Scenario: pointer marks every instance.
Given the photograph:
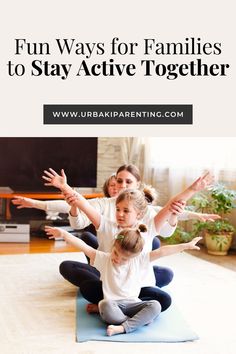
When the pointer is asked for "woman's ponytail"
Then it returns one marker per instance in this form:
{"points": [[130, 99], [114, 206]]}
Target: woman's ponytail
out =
{"points": [[142, 228], [150, 194]]}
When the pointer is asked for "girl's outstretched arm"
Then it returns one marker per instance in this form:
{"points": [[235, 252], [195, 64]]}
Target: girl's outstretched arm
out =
{"points": [[52, 178], [201, 183], [60, 181], [56, 232], [172, 249]]}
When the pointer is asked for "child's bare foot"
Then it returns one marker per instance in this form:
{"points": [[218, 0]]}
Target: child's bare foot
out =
{"points": [[111, 330], [92, 308]]}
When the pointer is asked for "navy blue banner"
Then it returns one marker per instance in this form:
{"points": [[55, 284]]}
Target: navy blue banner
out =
{"points": [[118, 114]]}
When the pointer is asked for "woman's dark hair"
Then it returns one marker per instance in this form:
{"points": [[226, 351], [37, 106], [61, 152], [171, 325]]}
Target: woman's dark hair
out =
{"points": [[149, 192], [131, 169]]}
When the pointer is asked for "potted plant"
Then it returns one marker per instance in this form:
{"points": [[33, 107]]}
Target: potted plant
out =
{"points": [[218, 235], [179, 236]]}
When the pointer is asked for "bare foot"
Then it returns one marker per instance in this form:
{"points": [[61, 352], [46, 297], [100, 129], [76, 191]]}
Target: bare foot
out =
{"points": [[111, 330], [92, 308]]}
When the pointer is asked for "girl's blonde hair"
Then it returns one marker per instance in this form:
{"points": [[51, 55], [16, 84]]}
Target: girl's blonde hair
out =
{"points": [[130, 240], [139, 199]]}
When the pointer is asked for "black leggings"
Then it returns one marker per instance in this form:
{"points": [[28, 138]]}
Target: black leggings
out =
{"points": [[92, 292]]}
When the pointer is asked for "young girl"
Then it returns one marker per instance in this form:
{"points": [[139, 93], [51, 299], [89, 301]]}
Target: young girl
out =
{"points": [[128, 176], [130, 208], [120, 274], [59, 181]]}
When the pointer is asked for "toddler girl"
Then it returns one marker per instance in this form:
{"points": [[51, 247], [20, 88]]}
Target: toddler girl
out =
{"points": [[120, 274]]}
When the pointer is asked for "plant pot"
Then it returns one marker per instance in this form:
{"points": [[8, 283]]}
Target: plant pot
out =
{"points": [[218, 244]]}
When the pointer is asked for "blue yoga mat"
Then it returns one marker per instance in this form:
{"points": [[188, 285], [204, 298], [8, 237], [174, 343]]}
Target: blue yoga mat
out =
{"points": [[168, 327]]}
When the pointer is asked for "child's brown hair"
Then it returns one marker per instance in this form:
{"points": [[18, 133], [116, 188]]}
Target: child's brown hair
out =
{"points": [[139, 199], [130, 239]]}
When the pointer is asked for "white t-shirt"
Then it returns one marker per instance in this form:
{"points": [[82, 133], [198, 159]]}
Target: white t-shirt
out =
{"points": [[121, 281], [106, 234], [107, 208], [109, 229]]}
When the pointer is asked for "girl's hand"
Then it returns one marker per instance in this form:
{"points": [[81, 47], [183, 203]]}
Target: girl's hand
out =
{"points": [[23, 202], [54, 179], [192, 244], [53, 232], [202, 182]]}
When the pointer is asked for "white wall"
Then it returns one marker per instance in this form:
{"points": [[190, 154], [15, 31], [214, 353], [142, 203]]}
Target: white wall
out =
{"points": [[109, 158]]}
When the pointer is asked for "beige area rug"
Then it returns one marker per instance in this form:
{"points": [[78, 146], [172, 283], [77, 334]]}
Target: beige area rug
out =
{"points": [[37, 308]]}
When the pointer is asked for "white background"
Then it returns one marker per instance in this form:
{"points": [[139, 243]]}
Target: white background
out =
{"points": [[22, 98]]}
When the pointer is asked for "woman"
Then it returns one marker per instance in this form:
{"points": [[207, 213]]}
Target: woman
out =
{"points": [[131, 206], [110, 187], [127, 177]]}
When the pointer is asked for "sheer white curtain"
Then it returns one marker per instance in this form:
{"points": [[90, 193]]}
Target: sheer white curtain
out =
{"points": [[132, 150], [179, 161], [170, 164]]}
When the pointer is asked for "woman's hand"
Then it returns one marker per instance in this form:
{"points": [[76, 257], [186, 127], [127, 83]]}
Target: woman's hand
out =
{"points": [[207, 217], [23, 202], [71, 198], [177, 207], [54, 179]]}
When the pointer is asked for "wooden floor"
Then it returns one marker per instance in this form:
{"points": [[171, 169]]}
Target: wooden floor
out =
{"points": [[44, 245], [228, 261], [36, 245]]}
